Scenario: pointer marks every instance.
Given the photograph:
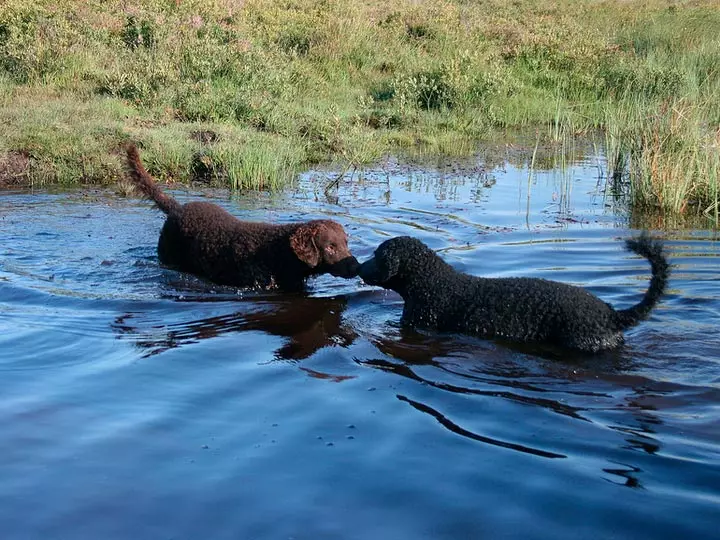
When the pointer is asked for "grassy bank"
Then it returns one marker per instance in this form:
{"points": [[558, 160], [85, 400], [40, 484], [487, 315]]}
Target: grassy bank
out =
{"points": [[249, 92]]}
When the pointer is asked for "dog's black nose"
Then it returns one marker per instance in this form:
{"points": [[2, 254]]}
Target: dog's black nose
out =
{"points": [[368, 272], [346, 268]]}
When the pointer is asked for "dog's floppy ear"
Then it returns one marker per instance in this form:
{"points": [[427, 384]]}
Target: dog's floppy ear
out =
{"points": [[302, 242]]}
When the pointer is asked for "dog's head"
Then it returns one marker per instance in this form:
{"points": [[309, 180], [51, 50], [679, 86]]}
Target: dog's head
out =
{"points": [[395, 261], [322, 245]]}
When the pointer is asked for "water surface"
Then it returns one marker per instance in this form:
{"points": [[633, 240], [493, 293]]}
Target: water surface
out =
{"points": [[139, 402]]}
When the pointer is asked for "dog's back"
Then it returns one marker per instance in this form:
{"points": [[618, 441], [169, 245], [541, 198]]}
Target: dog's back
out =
{"points": [[539, 310]]}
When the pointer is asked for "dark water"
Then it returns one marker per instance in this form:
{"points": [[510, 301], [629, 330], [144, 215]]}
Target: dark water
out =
{"points": [[140, 403]]}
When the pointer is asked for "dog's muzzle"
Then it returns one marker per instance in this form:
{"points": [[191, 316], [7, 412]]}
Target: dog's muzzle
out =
{"points": [[369, 273], [346, 268]]}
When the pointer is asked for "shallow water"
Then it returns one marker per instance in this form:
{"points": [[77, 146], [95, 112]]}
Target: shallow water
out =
{"points": [[138, 402]]}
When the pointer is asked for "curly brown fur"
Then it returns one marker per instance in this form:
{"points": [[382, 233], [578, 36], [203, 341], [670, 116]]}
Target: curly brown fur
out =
{"points": [[204, 239], [529, 310]]}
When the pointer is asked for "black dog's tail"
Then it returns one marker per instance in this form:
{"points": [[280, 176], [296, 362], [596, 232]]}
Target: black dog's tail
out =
{"points": [[652, 250], [142, 179]]}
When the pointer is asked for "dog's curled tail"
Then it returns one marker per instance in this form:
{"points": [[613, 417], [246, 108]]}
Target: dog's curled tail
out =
{"points": [[652, 250], [142, 179]]}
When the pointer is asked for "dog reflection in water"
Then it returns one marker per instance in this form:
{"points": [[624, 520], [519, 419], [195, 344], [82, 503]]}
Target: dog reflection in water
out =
{"points": [[308, 324]]}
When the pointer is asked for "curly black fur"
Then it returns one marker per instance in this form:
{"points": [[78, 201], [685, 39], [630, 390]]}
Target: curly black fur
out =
{"points": [[204, 239], [438, 297]]}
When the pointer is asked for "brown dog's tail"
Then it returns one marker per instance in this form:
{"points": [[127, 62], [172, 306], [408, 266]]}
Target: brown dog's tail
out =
{"points": [[142, 179], [652, 250]]}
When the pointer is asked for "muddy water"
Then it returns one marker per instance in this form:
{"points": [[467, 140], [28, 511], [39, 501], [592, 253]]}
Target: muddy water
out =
{"points": [[138, 402]]}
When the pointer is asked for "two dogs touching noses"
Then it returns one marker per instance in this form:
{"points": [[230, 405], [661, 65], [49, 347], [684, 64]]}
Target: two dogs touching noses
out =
{"points": [[203, 239]]}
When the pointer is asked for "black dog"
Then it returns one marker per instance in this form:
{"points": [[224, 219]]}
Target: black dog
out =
{"points": [[437, 297], [204, 239]]}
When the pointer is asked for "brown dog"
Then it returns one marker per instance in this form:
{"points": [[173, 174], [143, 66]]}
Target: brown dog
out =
{"points": [[204, 239]]}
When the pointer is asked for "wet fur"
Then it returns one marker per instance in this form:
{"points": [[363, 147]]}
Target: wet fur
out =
{"points": [[526, 310], [203, 239]]}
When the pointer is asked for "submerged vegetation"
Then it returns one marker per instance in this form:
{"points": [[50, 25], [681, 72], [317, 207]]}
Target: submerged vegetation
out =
{"points": [[250, 91]]}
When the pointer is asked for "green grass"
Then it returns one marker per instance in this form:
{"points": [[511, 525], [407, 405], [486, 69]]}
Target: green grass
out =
{"points": [[282, 85]]}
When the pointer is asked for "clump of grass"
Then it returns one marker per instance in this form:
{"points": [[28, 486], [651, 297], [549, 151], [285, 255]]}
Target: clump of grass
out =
{"points": [[138, 33], [270, 165], [670, 160]]}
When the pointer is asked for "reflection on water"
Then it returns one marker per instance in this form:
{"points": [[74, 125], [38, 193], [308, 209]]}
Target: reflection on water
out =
{"points": [[138, 402], [449, 424], [307, 323]]}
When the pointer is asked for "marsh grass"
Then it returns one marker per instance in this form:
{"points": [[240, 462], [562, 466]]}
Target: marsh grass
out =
{"points": [[288, 84], [260, 166], [667, 159]]}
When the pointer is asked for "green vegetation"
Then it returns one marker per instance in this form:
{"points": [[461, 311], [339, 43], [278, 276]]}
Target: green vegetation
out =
{"points": [[250, 91]]}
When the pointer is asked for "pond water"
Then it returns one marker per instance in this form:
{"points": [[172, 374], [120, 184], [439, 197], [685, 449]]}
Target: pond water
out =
{"points": [[138, 402]]}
